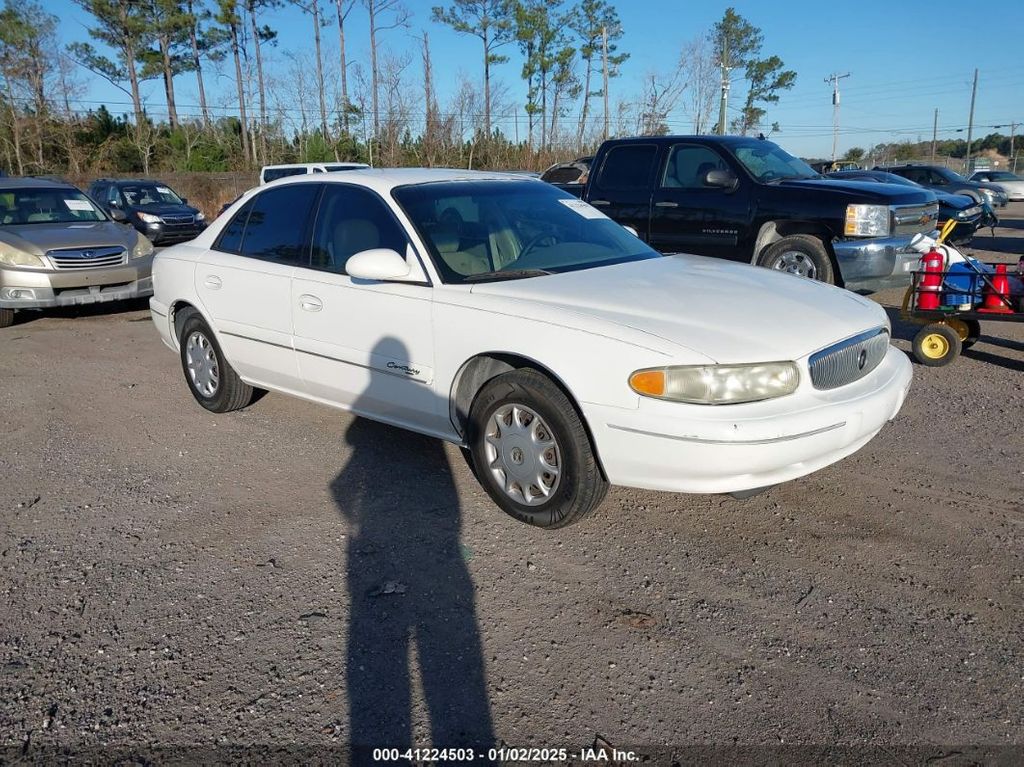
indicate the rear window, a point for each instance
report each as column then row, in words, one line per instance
column 276, row 229
column 628, row 167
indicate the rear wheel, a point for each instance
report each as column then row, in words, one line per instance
column 211, row 379
column 968, row 330
column 6, row 318
column 801, row 254
column 532, row 453
column 937, row 345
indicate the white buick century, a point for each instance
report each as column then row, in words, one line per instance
column 501, row 314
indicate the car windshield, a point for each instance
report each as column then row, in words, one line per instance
column 144, row 195
column 769, row 162
column 481, row 231
column 1003, row 175
column 951, row 176
column 46, row 205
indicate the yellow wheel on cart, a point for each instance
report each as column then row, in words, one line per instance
column 968, row 330
column 937, row 345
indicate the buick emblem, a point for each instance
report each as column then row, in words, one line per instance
column 862, row 359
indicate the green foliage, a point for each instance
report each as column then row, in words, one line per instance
column 854, row 154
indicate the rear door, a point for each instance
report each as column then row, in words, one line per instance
column 244, row 283
column 690, row 216
column 621, row 188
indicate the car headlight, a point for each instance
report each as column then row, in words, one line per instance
column 717, row 384
column 988, row 195
column 147, row 218
column 867, row 220
column 200, row 216
column 143, row 247
column 13, row 257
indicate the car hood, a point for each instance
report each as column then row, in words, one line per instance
column 958, row 201
column 39, row 238
column 728, row 312
column 867, row 191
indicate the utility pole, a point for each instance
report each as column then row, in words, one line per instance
column 833, row 79
column 604, row 75
column 935, row 133
column 723, row 103
column 970, row 121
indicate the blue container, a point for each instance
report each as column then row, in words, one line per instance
column 963, row 284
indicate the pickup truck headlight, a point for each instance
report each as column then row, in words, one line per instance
column 717, row 384
column 13, row 257
column 143, row 247
column 867, row 221
column 147, row 218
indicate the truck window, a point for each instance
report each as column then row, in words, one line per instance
column 688, row 165
column 628, row 167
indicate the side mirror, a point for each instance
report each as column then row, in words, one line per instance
column 378, row 264
column 118, row 215
column 721, row 179
column 184, row 200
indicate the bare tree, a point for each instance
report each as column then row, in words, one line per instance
column 660, row 95
column 260, row 34
column 344, row 7
column 379, row 12
column 697, row 62
column 228, row 17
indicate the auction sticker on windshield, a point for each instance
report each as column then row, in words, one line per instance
column 82, row 205
column 585, row 209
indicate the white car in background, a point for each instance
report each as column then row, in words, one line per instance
column 270, row 173
column 504, row 315
column 1011, row 183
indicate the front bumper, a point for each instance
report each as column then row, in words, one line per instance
column 731, row 448
column 876, row 263
column 43, row 289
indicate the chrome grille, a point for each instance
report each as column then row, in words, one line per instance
column 849, row 360
column 178, row 219
column 87, row 258
column 911, row 219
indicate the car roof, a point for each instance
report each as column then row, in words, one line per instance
column 386, row 179
column 345, row 163
column 34, row 182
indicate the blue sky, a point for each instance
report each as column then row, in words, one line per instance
column 905, row 59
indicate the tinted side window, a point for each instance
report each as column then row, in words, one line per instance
column 273, row 174
column 230, row 240
column 276, row 229
column 688, row 165
column 351, row 220
column 628, row 167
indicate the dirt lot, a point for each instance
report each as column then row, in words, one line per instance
column 289, row 575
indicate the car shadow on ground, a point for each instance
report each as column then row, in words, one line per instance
column 111, row 308
column 997, row 244
column 409, row 589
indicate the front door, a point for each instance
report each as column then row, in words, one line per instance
column 364, row 345
column 688, row 215
column 621, row 187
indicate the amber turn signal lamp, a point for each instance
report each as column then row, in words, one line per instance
column 649, row 382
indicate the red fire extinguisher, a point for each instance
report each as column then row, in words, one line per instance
column 930, row 286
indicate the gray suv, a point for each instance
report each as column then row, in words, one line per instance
column 58, row 248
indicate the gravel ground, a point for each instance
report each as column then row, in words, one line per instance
column 288, row 575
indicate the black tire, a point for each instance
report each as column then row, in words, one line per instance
column 6, row 318
column 581, row 486
column 231, row 392
column 937, row 345
column 810, row 248
column 973, row 333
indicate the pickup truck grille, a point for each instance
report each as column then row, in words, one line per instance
column 911, row 219
column 87, row 258
column 849, row 360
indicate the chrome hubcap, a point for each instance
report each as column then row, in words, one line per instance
column 522, row 454
column 202, row 364
column 800, row 264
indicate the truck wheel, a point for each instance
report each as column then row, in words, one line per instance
column 937, row 345
column 6, row 318
column 800, row 254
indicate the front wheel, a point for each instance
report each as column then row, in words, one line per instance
column 531, row 451
column 801, row 254
column 6, row 318
column 937, row 345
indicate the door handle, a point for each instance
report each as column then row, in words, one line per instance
column 213, row 282
column 310, row 303
column 666, row 204
column 600, row 203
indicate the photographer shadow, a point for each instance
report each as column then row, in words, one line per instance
column 409, row 587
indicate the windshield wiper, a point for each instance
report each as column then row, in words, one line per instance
column 777, row 179
column 506, row 274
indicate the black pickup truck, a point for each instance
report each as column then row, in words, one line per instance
column 745, row 199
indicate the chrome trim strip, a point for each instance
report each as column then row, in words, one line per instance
column 771, row 441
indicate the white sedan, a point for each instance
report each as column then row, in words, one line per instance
column 506, row 316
